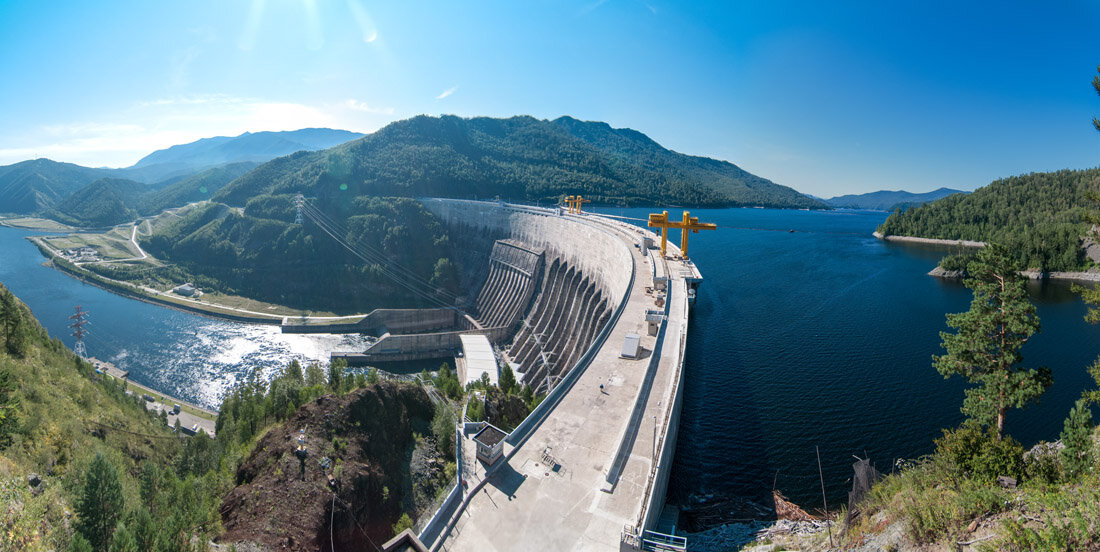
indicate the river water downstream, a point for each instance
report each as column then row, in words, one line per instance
column 820, row 336
column 182, row 354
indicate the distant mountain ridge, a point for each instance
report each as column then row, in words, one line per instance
column 519, row 158
column 40, row 184
column 110, row 201
column 256, row 147
column 887, row 200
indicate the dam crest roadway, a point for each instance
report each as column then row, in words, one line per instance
column 588, row 469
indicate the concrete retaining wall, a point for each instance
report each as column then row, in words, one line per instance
column 595, row 251
column 379, row 321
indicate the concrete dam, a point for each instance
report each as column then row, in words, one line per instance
column 585, row 310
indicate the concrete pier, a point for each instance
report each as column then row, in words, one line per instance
column 588, row 469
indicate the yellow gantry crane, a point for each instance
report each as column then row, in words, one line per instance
column 575, row 202
column 688, row 224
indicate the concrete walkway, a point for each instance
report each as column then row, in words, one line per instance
column 553, row 493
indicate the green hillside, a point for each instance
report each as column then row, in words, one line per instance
column 193, row 188
column 56, row 415
column 520, row 158
column 1036, row 215
column 105, row 202
column 262, row 254
column 30, row 186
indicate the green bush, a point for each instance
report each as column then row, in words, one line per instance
column 1044, row 468
column 404, row 523
column 970, row 451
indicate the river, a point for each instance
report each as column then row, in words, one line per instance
column 807, row 332
column 178, row 353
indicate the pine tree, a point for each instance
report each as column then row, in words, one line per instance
column 101, row 504
column 1077, row 437
column 507, row 380
column 986, row 347
column 12, row 325
column 79, row 544
column 9, row 408
column 123, row 540
column 1096, row 86
column 144, row 529
column 336, row 376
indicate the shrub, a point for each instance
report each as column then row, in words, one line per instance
column 404, row 523
column 970, row 451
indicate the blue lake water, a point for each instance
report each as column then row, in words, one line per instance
column 824, row 337
column 818, row 337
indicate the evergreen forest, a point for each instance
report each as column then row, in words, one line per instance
column 1037, row 216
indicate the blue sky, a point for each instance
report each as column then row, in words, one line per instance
column 826, row 97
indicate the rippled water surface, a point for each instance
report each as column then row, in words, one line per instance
column 182, row 354
column 824, row 337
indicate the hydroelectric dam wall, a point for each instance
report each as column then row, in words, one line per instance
column 588, row 468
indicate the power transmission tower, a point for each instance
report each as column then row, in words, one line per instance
column 79, row 331
column 298, row 202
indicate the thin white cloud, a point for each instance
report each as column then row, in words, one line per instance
column 356, row 105
column 446, row 93
column 592, row 7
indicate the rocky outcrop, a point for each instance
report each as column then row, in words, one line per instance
column 940, row 272
column 358, row 449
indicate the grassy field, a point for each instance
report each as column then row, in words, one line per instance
column 32, row 223
column 112, row 245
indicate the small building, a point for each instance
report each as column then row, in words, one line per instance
column 187, row 290
column 631, row 345
column 654, row 319
column 490, row 444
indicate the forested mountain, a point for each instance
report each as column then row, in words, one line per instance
column 520, row 158
column 193, row 188
column 105, row 202
column 34, row 186
column 30, row 186
column 1036, row 215
column 886, row 200
column 255, row 147
column 262, row 254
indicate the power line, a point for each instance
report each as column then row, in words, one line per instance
column 379, row 256
column 389, row 268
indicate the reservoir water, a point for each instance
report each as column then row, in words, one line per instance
column 820, row 336
column 824, row 336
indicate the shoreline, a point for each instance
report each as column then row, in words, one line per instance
column 210, row 310
column 931, row 241
column 1030, row 274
